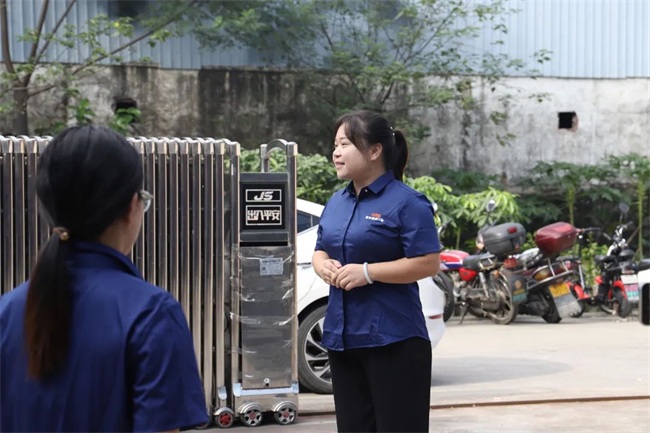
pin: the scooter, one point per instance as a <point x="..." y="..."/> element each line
<point x="546" y="278"/>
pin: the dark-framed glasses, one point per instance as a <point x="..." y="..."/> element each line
<point x="146" y="198"/>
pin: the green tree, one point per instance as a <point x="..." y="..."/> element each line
<point x="393" y="56"/>
<point x="21" y="81"/>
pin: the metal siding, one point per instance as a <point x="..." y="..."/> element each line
<point x="588" y="38"/>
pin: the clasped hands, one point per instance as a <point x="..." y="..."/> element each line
<point x="344" y="277"/>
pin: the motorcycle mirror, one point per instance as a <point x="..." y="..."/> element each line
<point x="490" y="205"/>
<point x="624" y="208"/>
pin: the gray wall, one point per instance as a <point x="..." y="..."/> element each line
<point x="613" y="119"/>
<point x="254" y="106"/>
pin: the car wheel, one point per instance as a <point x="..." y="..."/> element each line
<point x="313" y="363"/>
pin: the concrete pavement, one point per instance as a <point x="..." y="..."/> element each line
<point x="631" y="416"/>
<point x="584" y="359"/>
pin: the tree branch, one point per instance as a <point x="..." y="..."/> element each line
<point x="6" y="50"/>
<point x="45" y="46"/>
<point x="92" y="62"/>
<point x="39" y="29"/>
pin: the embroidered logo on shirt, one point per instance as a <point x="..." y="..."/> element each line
<point x="375" y="217"/>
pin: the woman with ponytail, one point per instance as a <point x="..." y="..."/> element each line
<point x="376" y="239"/>
<point x="86" y="344"/>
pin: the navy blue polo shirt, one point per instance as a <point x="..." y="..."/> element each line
<point x="131" y="365"/>
<point x="388" y="221"/>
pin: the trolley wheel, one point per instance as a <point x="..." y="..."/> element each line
<point x="285" y="414"/>
<point x="251" y="417"/>
<point x="224" y="417"/>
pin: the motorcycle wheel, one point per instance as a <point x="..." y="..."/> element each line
<point x="508" y="312"/>
<point x="624" y="306"/>
<point x="618" y="305"/>
<point x="447" y="286"/>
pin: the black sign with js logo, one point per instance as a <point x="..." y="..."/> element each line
<point x="263" y="206"/>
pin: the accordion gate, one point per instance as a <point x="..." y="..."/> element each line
<point x="185" y="247"/>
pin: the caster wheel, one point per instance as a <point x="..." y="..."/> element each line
<point x="285" y="415"/>
<point x="251" y="418"/>
<point x="224" y="417"/>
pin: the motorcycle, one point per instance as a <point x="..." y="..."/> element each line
<point x="546" y="278"/>
<point x="618" y="288"/>
<point x="475" y="290"/>
<point x="483" y="290"/>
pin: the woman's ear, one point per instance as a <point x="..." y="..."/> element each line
<point x="134" y="213"/>
<point x="376" y="151"/>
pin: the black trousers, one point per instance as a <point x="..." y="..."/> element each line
<point x="383" y="389"/>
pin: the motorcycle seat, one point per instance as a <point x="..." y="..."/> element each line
<point x="473" y="263"/>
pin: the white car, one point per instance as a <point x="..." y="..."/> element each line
<point x="313" y="364"/>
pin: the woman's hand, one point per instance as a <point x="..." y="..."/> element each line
<point x="328" y="270"/>
<point x="349" y="276"/>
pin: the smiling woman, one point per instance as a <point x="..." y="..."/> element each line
<point x="312" y="293"/>
<point x="376" y="238"/>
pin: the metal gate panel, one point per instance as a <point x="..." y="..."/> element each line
<point x="180" y="248"/>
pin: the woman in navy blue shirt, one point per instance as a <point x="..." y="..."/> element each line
<point x="86" y="344"/>
<point x="377" y="237"/>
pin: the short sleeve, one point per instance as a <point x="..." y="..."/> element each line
<point x="319" y="236"/>
<point x="417" y="227"/>
<point x="167" y="389"/>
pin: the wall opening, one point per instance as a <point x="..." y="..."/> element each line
<point x="125" y="104"/>
<point x="567" y="120"/>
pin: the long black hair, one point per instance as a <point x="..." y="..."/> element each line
<point x="86" y="179"/>
<point x="365" y="128"/>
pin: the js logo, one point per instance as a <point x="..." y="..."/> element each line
<point x="264" y="196"/>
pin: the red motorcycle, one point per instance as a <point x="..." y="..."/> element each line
<point x="546" y="278"/>
<point x="464" y="280"/>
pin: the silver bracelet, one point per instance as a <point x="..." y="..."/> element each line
<point x="366" y="274"/>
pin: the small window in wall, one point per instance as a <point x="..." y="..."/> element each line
<point x="125" y="104"/>
<point x="567" y="120"/>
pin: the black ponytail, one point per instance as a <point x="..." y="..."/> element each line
<point x="48" y="311"/>
<point x="86" y="179"/>
<point x="401" y="155"/>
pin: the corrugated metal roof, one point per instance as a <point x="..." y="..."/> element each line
<point x="587" y="38"/>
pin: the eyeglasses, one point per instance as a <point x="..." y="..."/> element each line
<point x="146" y="198"/>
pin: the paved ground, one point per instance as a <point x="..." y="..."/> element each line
<point x="593" y="417"/>
<point x="483" y="374"/>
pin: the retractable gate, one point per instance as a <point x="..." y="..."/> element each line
<point x="226" y="284"/>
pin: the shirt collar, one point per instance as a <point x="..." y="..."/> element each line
<point x="97" y="255"/>
<point x="376" y="187"/>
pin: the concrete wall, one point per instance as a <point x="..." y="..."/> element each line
<point x="613" y="118"/>
<point x="254" y="106"/>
